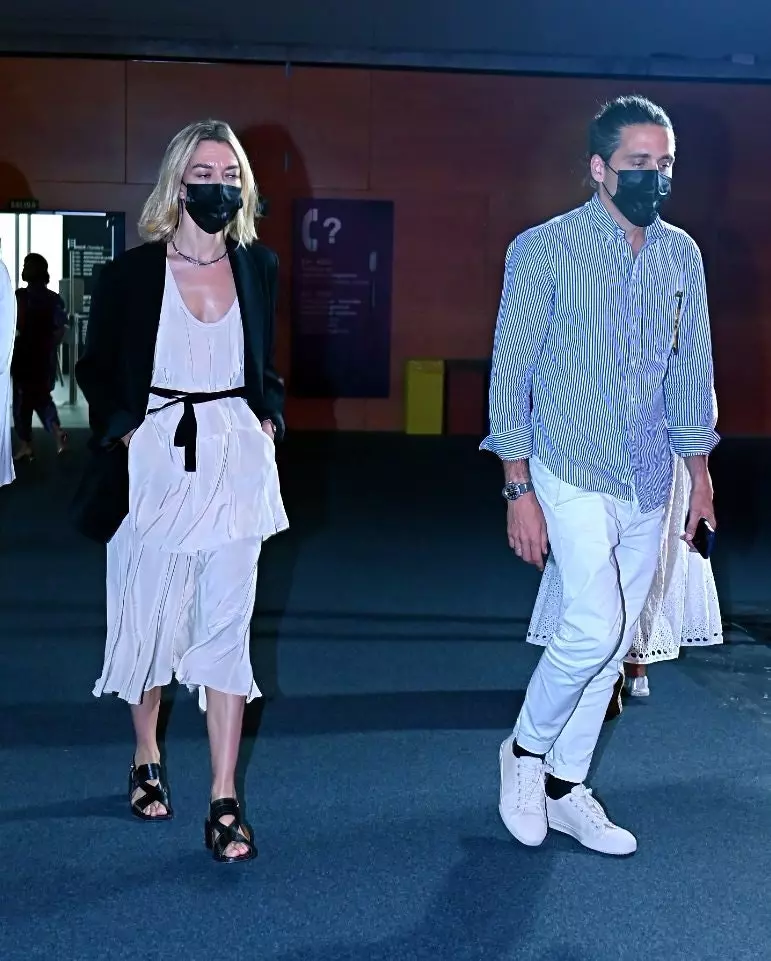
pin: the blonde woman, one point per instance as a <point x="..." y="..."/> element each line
<point x="185" y="406"/>
<point x="682" y="609"/>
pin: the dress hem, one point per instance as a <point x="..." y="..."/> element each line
<point x="106" y="688"/>
<point x="540" y="640"/>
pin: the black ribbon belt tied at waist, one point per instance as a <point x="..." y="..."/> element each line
<point x="186" y="434"/>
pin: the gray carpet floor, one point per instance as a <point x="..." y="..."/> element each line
<point x="388" y="638"/>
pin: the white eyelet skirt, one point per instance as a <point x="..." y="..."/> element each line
<point x="682" y="609"/>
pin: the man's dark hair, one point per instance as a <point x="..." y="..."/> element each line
<point x="605" y="129"/>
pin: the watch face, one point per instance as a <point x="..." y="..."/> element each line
<point x="513" y="491"/>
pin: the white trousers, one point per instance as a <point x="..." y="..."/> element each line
<point x="606" y="551"/>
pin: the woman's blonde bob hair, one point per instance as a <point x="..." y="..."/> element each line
<point x="160" y="215"/>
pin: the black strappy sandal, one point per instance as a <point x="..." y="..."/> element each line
<point x="217" y="836"/>
<point x="616" y="705"/>
<point x="139" y="778"/>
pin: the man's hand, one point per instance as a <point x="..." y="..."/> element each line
<point x="700" y="505"/>
<point x="526" y="527"/>
<point x="268" y="428"/>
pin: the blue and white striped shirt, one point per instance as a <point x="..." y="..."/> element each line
<point x="584" y="374"/>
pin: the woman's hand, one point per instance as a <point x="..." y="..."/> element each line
<point x="269" y="429"/>
<point x="127" y="437"/>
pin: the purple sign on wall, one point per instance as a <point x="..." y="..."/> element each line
<point x="342" y="261"/>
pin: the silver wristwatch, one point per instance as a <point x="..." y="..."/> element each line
<point x="514" y="491"/>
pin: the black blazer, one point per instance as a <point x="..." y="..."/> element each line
<point x="116" y="368"/>
<point x="115" y="371"/>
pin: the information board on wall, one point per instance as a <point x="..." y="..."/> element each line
<point x="90" y="241"/>
<point x="342" y="267"/>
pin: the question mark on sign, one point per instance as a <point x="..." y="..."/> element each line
<point x="334" y="226"/>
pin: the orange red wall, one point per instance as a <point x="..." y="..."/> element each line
<point x="469" y="160"/>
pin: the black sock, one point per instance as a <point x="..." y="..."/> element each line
<point x="557" y="789"/>
<point x="521" y="752"/>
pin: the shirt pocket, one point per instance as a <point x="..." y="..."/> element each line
<point x="664" y="302"/>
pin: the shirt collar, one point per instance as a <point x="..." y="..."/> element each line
<point x="611" y="230"/>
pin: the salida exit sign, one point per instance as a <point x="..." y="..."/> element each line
<point x="23" y="205"/>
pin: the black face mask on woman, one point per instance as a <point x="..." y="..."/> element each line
<point x="639" y="194"/>
<point x="213" y="206"/>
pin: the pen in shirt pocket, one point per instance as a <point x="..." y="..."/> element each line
<point x="676" y="328"/>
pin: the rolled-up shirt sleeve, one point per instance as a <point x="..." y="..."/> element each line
<point x="524" y="315"/>
<point x="689" y="385"/>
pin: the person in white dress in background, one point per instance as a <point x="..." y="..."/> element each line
<point x="682" y="609"/>
<point x="178" y="369"/>
<point x="7" y="336"/>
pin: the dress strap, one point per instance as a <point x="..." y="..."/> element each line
<point x="186" y="434"/>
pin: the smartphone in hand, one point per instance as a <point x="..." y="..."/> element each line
<point x="704" y="539"/>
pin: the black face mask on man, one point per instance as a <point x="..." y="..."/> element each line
<point x="639" y="194"/>
<point x="212" y="206"/>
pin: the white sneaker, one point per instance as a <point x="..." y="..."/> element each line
<point x="581" y="815"/>
<point x="522" y="805"/>
<point x="638" y="686"/>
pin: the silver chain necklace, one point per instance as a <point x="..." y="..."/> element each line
<point x="199" y="263"/>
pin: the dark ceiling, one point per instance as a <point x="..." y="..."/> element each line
<point x="716" y="39"/>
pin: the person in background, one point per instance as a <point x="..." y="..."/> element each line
<point x="178" y="368"/>
<point x="41" y="326"/>
<point x="682" y="609"/>
<point x="606" y="303"/>
<point x="7" y="334"/>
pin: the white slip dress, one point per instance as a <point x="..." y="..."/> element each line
<point x="182" y="568"/>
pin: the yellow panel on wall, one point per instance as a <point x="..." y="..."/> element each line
<point x="424" y="403"/>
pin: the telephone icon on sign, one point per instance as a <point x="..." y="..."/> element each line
<point x="309" y="242"/>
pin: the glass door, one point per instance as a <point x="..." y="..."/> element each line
<point x="76" y="245"/>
